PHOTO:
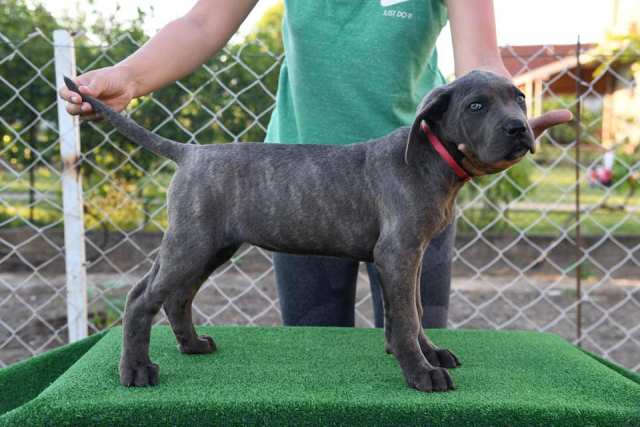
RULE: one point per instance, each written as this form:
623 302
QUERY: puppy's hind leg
183 256
136 369
178 309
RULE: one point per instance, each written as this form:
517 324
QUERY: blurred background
551 245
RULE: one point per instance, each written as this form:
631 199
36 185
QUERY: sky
517 21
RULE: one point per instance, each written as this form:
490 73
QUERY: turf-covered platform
321 376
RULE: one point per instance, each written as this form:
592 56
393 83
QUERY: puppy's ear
431 110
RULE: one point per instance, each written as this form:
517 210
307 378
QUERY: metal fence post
578 244
74 245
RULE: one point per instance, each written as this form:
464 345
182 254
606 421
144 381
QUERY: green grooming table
321 376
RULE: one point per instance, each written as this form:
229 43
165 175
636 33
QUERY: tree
27 97
621 52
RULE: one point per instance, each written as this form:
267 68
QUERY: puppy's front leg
436 356
398 268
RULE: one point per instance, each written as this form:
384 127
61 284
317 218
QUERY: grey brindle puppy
379 201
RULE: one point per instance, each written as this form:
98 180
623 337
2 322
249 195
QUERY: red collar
442 151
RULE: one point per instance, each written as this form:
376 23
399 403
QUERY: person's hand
555 117
477 167
111 85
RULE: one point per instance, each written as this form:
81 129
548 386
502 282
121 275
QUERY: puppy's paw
141 375
201 345
431 379
438 356
442 357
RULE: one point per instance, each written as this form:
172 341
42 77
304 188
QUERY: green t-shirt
354 69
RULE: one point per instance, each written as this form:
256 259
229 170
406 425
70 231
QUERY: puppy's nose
514 127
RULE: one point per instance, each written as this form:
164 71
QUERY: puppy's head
483 111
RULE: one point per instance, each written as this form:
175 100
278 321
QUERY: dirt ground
33 317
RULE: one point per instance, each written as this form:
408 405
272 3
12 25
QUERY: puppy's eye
520 99
476 106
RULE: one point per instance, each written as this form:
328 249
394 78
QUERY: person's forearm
184 44
473 34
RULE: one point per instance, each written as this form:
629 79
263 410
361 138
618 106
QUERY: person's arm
186 43
473 35
174 52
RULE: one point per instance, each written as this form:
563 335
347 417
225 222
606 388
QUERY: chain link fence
551 245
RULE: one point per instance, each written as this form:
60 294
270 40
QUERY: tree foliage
27 95
619 51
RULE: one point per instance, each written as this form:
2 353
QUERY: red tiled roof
520 59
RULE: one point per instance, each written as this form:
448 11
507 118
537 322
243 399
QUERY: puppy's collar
444 153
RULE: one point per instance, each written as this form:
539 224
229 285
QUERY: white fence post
74 246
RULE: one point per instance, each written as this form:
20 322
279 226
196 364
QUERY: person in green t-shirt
353 70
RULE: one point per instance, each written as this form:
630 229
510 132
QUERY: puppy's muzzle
519 132
514 127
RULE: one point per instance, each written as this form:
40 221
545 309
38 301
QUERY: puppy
378 201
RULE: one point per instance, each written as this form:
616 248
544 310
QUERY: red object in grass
602 176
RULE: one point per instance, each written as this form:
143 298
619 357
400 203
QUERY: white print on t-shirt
387 3
395 13
398 14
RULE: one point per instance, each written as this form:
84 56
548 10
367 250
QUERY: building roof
524 58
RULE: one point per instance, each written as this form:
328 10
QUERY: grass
534 223
556 185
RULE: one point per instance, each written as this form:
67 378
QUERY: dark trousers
321 291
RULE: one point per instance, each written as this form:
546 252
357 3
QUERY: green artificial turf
25 380
311 376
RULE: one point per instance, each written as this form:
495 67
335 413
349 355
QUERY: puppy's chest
439 218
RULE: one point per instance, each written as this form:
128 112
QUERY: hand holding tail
130 129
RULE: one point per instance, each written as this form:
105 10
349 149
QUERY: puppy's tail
133 131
